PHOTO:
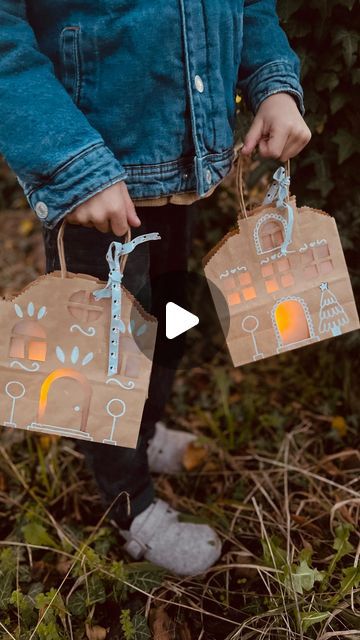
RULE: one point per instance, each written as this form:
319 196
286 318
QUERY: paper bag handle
60 246
242 213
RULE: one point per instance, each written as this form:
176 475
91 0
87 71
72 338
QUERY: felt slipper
184 548
166 449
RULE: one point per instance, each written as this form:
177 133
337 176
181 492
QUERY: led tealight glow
291 322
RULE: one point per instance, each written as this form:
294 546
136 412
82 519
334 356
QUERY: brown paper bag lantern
283 275
69 361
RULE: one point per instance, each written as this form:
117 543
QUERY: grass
279 481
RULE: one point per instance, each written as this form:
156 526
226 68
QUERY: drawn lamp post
115 413
15 390
250 325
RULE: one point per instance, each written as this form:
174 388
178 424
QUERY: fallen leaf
194 455
96 632
45 441
26 226
161 625
63 565
338 423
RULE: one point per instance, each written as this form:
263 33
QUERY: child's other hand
278 129
109 210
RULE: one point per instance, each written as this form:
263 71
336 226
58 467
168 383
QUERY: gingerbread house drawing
54 358
279 300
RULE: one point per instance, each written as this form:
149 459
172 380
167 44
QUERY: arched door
64 400
291 323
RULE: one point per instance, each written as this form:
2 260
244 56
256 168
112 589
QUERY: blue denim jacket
143 90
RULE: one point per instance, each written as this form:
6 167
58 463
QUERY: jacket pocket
70 56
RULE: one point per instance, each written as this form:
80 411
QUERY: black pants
119 469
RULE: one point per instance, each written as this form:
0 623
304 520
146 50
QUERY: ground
277 475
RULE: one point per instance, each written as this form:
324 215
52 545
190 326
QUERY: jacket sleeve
268 63
59 159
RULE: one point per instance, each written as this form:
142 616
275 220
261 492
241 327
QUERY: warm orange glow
37 351
271 286
58 373
249 293
267 270
287 280
244 278
291 322
234 298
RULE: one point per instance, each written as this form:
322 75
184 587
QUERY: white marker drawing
14 395
252 325
123 385
332 315
90 331
115 416
34 365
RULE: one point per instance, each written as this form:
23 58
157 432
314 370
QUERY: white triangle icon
178 320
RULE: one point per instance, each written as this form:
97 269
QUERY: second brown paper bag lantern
283 274
76 353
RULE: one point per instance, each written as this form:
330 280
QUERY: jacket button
41 209
208 176
199 84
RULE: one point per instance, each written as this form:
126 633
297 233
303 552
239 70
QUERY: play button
189 333
178 320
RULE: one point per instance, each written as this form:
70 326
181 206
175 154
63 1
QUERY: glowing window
240 289
249 293
283 264
271 285
28 341
271 235
287 280
245 278
234 298
229 283
267 270
316 261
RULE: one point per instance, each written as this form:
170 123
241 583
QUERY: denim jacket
97 91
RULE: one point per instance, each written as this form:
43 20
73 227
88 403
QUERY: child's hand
109 210
278 128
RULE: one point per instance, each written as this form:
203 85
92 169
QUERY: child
122 113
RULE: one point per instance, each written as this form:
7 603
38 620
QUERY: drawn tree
332 314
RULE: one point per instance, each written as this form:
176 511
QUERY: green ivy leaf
273 553
350 44
350 580
303 578
347 144
309 618
35 533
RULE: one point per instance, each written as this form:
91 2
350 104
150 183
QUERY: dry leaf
63 565
96 632
338 423
161 625
194 455
26 226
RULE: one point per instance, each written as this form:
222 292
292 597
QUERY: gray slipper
166 449
184 548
